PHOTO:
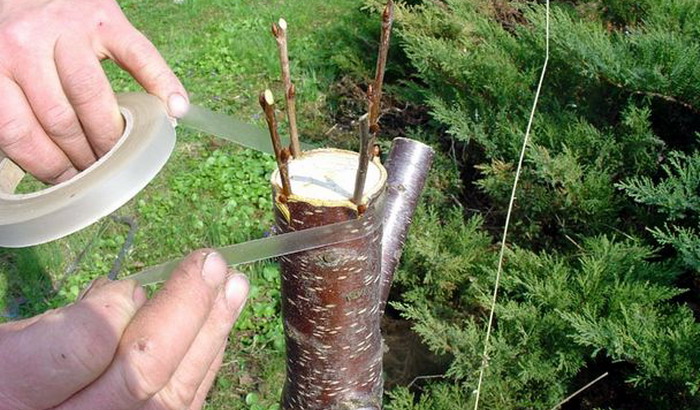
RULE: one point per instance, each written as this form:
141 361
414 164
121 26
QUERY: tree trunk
333 297
330 296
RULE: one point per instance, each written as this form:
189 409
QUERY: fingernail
237 291
214 269
177 105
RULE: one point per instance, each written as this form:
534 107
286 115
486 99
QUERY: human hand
58 112
114 350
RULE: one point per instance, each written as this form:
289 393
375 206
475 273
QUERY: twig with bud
267 102
369 123
279 30
374 91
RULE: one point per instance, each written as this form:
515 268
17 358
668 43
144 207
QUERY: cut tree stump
330 296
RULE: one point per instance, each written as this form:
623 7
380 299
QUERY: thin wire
484 361
126 246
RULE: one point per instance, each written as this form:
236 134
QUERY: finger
89 289
93 286
158 338
137 55
89 92
23 140
54 112
64 350
201 396
180 391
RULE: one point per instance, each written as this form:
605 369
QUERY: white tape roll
42 216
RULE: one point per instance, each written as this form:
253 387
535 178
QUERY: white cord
484 361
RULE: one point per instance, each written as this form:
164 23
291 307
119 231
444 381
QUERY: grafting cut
330 295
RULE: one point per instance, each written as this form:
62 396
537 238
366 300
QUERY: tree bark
407 165
330 296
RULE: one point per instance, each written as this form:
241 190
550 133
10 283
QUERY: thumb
48 358
133 52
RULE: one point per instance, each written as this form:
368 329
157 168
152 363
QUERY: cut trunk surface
330 296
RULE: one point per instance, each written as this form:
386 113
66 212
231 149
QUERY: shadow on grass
25 285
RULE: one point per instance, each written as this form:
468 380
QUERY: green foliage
677 195
437 396
655 59
622 82
555 313
479 70
686 241
220 199
446 253
624 11
677 198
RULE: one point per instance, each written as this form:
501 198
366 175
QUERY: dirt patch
509 16
350 102
407 361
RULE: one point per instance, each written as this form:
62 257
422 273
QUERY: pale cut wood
329 175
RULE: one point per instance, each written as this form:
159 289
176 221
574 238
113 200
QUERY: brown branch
407 164
366 151
331 325
667 98
579 391
267 103
374 92
427 377
279 30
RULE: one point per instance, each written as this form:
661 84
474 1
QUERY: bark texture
330 307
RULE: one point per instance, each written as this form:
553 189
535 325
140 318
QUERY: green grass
210 193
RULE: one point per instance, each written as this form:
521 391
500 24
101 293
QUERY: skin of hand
114 349
58 113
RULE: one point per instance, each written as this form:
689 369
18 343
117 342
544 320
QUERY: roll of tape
54 212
